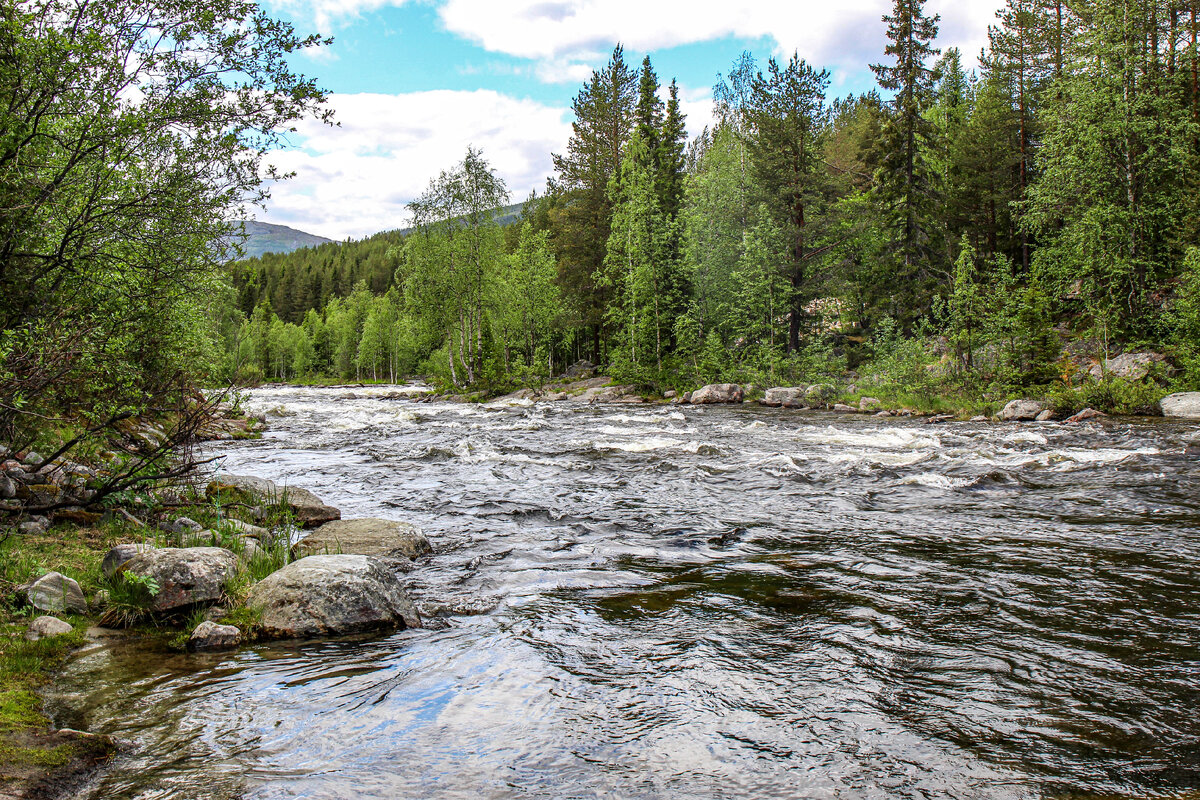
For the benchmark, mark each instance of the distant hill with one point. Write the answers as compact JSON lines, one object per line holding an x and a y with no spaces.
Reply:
{"x":263,"y":237}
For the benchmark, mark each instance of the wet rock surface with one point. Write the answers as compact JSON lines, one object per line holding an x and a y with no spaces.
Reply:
{"x":368,"y":537}
{"x":332,"y":595}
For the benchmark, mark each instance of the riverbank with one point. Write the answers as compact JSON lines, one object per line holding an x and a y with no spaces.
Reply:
{"x":1110,"y":396}
{"x":36,"y":759}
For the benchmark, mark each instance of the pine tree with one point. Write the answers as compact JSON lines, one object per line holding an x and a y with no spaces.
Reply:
{"x":786,"y":148}
{"x":904,"y":186}
{"x":604,"y":119}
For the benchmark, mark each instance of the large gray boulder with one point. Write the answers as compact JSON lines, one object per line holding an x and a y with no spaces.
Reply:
{"x":119,"y":555}
{"x":186,"y":576}
{"x":1130,"y":366}
{"x":310,"y":511}
{"x":331,"y":595}
{"x":1022,"y":410}
{"x":785,"y":396}
{"x":1181,"y":404}
{"x":717,"y":393}
{"x":367,"y":537}
{"x":56,"y":593}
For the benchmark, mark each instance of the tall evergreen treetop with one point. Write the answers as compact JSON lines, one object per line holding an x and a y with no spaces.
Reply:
{"x":903,"y":181}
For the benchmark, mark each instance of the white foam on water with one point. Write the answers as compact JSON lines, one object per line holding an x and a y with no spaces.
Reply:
{"x":936,"y":481}
{"x":648,"y":444}
{"x":1026,"y":437}
{"x":883,"y":438}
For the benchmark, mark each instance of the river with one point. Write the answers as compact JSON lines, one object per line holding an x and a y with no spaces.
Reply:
{"x":704,"y":602}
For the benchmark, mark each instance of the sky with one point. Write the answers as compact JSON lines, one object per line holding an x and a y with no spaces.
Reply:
{"x":414,"y":82}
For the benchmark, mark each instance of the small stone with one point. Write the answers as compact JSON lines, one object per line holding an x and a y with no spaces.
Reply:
{"x":211,"y":636}
{"x":34,"y":459}
{"x":186,"y":525}
{"x":1046,"y":415}
{"x":670,"y":394}
{"x":8,"y":489}
{"x":843,"y":408}
{"x":244,"y":529}
{"x":47,"y":627}
{"x":979,"y":418}
{"x":56,"y":593}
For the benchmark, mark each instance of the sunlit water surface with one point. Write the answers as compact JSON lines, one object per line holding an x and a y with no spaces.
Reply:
{"x":646,"y":602}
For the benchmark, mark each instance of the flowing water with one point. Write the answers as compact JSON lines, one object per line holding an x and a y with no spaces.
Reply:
{"x":666,"y":602}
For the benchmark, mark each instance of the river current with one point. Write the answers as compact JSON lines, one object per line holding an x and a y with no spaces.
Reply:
{"x":704,"y":602}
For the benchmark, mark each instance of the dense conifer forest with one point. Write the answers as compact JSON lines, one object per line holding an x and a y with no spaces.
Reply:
{"x":956,"y":227}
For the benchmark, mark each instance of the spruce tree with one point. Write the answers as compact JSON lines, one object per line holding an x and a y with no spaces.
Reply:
{"x":786,"y":149}
{"x":903,"y":183}
{"x":604,"y":120}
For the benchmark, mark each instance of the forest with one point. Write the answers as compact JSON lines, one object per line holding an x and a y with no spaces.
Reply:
{"x":956,"y":228}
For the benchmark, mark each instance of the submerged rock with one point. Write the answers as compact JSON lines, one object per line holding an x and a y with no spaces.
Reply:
{"x":310,"y":510}
{"x":1181,"y":404}
{"x":367,"y":537}
{"x":47,"y":627}
{"x":186,"y":576}
{"x":1022,"y":410}
{"x":717,"y":393}
{"x":56,"y":593}
{"x":209,"y":635}
{"x":330,"y":595}
{"x":1086,"y":414}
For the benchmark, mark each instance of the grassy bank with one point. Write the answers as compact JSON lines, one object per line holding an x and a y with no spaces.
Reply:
{"x":35,"y":759}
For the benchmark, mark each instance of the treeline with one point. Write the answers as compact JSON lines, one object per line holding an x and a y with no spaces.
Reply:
{"x":977,"y":219}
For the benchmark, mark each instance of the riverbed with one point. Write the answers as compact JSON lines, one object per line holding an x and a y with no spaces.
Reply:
{"x":704,"y":602}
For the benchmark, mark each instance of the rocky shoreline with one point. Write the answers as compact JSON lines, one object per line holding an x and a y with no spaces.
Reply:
{"x":814,"y":397}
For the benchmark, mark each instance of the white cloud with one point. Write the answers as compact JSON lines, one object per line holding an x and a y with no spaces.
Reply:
{"x":568,"y":38}
{"x":847,"y":33}
{"x":355,"y":180}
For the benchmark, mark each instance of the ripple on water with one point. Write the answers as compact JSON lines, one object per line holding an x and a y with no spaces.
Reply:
{"x":727,"y":602}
